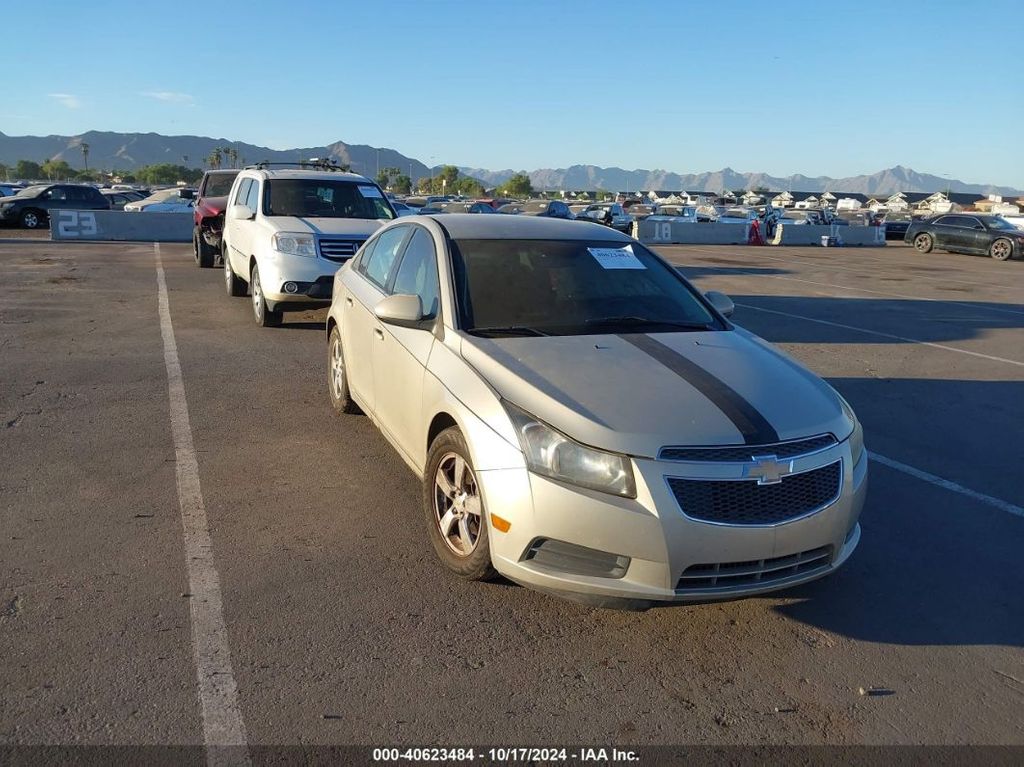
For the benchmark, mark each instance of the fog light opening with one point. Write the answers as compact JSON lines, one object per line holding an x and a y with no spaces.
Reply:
{"x":291,"y":287}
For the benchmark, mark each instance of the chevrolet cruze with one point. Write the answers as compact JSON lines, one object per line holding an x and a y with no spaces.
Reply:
{"x":584,"y":421}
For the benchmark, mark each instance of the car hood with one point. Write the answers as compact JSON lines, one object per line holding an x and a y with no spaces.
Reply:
{"x":354,"y":227}
{"x":212,"y":206}
{"x":637,"y":393}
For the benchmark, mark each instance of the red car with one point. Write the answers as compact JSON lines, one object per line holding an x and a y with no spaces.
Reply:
{"x":208,"y":215}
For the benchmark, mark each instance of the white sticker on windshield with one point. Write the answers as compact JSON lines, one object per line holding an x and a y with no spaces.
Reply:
{"x":617,"y":258}
{"x":370,"y":191}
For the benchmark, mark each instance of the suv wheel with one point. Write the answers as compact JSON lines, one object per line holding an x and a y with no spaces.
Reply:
{"x":454,"y":509}
{"x":265,"y":316}
{"x":204,"y":253}
{"x":337,"y":376}
{"x":31,"y":219}
{"x":235,"y":287}
{"x":923,"y":243}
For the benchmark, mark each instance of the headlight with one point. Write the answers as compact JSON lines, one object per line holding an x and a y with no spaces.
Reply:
{"x":857,"y":435}
{"x":552,"y":454}
{"x":295,"y":244}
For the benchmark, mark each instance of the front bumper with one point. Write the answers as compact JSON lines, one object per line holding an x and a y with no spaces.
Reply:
{"x":313,"y":277}
{"x":661,"y":542}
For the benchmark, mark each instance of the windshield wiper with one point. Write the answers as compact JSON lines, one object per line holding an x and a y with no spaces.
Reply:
{"x":508,"y":330}
{"x":631,"y":320}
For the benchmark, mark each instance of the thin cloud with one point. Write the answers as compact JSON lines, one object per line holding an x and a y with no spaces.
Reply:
{"x":170,"y":97}
{"x":67,"y":99}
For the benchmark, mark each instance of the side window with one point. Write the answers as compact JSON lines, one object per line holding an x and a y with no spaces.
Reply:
{"x":252,"y":198}
{"x":972,"y":223}
{"x":945,"y":221}
{"x":243,"y":191}
{"x":417,"y":274}
{"x":377,"y":265}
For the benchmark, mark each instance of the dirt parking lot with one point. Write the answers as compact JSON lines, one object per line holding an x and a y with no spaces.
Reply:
{"x":343,"y":629}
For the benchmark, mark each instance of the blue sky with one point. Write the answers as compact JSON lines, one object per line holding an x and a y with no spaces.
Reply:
{"x":786,"y":87}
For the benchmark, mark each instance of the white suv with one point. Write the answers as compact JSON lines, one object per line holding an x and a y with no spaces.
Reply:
{"x":286,"y":232}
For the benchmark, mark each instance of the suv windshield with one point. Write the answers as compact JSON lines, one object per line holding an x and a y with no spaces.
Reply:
{"x":325,"y":198}
{"x":570,"y":287}
{"x":218,"y":185}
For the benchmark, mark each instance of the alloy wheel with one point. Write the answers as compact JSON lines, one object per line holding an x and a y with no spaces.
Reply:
{"x":337,"y":369}
{"x":457,"y":507}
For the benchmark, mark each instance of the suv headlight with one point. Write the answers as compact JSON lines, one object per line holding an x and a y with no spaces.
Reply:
{"x":295,"y":244}
{"x":552,"y":454}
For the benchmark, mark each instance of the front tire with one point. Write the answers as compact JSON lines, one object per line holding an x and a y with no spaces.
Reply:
{"x":923,"y":243}
{"x":1001,"y":249}
{"x":204,"y":254}
{"x":265,"y":316}
{"x":337,"y":376}
{"x":32,"y":219}
{"x":454,"y":510}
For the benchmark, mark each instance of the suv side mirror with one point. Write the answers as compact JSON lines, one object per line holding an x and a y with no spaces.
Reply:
{"x":400,"y":309}
{"x":242,"y":212}
{"x":721,"y":302}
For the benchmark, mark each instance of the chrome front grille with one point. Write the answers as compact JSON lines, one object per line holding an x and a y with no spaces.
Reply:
{"x":743,"y":453}
{"x":339,"y":250}
{"x":746,"y":502}
{"x":728,"y":575}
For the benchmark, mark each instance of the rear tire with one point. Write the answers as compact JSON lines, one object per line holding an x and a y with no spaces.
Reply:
{"x":923,"y":243}
{"x":236,"y":288}
{"x":337,"y":376}
{"x":1001,"y":249}
{"x":204,"y":253}
{"x":453,"y":508}
{"x":265,"y":316}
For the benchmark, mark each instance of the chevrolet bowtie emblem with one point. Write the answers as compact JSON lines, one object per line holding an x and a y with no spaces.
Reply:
{"x":768,"y":469}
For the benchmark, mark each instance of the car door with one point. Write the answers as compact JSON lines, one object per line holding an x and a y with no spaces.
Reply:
{"x":364,"y":286}
{"x":974,"y":236}
{"x":947,"y":234}
{"x":400,"y":353}
{"x":238,"y":231}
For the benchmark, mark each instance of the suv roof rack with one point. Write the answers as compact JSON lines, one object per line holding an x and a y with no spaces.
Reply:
{"x":314,"y":163}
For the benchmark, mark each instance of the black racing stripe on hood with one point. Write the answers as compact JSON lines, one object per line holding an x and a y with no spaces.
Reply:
{"x":752,"y":425}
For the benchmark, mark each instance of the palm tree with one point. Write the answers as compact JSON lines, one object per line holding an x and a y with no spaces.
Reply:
{"x":214,"y":158}
{"x":85,"y":154}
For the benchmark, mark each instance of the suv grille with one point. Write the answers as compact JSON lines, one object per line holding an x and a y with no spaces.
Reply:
{"x":725,"y":575}
{"x":744,"y":453}
{"x":339,"y":250}
{"x":745,"y":502}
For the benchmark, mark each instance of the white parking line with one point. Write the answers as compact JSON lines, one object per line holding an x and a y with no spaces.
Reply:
{"x":998,"y":503}
{"x":906,"y":339}
{"x":223,"y":727}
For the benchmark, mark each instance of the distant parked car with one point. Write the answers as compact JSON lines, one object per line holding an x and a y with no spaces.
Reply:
{"x":547,"y":209}
{"x":118,"y":199}
{"x":896,"y":225}
{"x":31,"y":207}
{"x":161,"y":196}
{"x":962,"y":233}
{"x":173,"y":205}
{"x":208,"y":215}
{"x":9,"y":190}
{"x":610,"y":214}
{"x":468,"y":207}
{"x":402,"y":209}
{"x":737,"y":216}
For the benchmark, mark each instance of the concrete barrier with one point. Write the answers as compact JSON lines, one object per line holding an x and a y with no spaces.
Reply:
{"x":667,"y":232}
{"x":119,"y":226}
{"x":806,"y":234}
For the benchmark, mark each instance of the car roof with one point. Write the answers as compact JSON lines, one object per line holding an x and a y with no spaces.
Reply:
{"x":473,"y":226}
{"x":297,"y":173}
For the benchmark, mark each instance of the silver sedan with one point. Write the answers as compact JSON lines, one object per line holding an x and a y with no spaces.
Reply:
{"x":584,"y":421}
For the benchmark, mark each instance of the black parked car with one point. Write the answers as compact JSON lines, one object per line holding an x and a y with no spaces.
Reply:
{"x":896,"y":225}
{"x":967,"y":233}
{"x":31,"y":207}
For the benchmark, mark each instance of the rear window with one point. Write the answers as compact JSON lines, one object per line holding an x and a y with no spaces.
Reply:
{"x":219,"y":184}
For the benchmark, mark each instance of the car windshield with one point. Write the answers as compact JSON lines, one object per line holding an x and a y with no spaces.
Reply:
{"x":218,"y":185}
{"x":32,"y":191}
{"x":325,"y":198}
{"x":570,"y":287}
{"x":1000,"y":223}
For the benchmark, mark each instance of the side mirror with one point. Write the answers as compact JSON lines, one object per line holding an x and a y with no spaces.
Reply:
{"x":242,"y":212}
{"x":399,"y":309}
{"x":721,"y":302}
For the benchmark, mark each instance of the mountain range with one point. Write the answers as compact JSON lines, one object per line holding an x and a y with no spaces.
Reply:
{"x":126,"y":151}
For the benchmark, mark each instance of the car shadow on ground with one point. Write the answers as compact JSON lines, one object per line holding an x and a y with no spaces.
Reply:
{"x":922,"y":320}
{"x":701,"y":270}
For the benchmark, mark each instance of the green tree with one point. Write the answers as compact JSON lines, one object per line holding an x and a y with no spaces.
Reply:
{"x":517,"y":186}
{"x":470,"y":187}
{"x":215,"y":157}
{"x":401,"y":185}
{"x":85,"y":154}
{"x":386,"y":176}
{"x":28,"y":169}
{"x":449,"y":175}
{"x":424,"y":184}
{"x":5,"y":171}
{"x":57,"y":170}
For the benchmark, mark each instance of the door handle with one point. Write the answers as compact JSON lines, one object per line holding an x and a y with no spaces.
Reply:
{"x":379,"y":333}
{"x":348,"y":300}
